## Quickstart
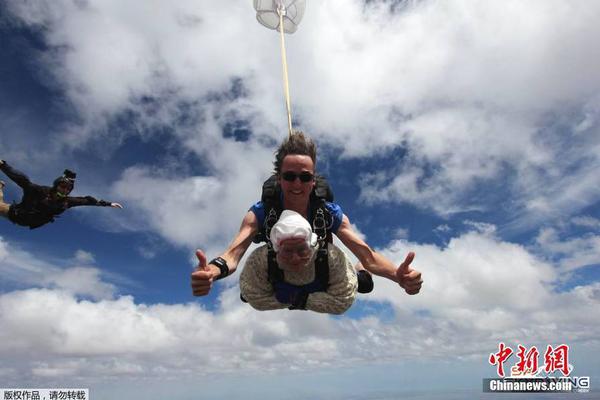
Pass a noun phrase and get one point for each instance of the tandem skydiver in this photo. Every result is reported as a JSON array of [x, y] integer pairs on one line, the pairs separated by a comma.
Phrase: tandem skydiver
[[41, 204], [295, 187]]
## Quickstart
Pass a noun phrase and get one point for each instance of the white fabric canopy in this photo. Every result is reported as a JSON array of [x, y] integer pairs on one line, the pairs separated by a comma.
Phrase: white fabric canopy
[[267, 13]]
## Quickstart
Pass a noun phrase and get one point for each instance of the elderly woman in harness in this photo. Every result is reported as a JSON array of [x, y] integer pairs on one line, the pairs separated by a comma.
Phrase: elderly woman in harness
[[42, 204], [294, 271], [294, 189]]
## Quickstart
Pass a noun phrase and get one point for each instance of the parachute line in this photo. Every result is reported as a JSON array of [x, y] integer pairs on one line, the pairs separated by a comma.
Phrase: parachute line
[[286, 85], [282, 16]]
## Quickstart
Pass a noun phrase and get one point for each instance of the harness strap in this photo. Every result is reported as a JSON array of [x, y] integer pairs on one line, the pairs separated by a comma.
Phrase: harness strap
[[322, 222], [322, 266], [275, 273]]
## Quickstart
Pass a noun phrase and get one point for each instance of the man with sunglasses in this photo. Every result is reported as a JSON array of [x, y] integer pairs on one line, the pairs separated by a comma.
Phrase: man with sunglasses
[[42, 204], [294, 278], [295, 171]]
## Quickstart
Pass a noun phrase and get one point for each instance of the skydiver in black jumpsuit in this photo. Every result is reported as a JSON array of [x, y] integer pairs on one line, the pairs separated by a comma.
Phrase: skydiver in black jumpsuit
[[41, 204]]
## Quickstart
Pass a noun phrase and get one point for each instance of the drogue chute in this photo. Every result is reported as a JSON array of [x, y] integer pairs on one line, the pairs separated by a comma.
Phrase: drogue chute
[[283, 16], [274, 13]]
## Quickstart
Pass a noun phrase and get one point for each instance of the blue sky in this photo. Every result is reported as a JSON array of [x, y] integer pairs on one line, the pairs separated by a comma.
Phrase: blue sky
[[465, 131]]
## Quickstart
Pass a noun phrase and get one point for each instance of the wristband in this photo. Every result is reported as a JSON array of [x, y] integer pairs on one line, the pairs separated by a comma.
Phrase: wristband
[[222, 265]]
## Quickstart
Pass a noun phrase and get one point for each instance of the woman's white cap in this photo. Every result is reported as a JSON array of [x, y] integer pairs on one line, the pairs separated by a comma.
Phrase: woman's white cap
[[292, 225]]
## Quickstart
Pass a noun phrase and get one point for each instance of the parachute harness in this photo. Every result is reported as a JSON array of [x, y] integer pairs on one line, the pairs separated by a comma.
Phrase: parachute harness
[[322, 222]]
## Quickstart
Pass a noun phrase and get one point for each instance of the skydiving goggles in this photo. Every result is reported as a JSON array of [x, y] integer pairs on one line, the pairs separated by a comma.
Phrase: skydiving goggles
[[291, 176]]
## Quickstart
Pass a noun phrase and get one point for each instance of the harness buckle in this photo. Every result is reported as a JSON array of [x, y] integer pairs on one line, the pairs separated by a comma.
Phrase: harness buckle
[[270, 221], [320, 224]]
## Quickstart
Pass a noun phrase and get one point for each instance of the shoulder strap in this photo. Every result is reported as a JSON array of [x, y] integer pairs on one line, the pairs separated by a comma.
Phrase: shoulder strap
[[321, 218], [271, 193], [322, 268], [322, 221], [275, 273]]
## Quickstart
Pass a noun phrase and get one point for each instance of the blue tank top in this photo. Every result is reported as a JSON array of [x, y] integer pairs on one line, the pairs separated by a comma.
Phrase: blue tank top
[[334, 209]]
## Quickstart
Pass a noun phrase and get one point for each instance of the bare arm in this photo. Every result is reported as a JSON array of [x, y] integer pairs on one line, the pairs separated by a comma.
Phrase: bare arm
[[204, 275], [237, 248], [407, 277], [371, 260]]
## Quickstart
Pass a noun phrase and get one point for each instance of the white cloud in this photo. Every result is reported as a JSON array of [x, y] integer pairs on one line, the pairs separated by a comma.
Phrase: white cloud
[[139, 50], [196, 211], [444, 228], [571, 253], [471, 91], [481, 227], [478, 290], [401, 233], [586, 221], [477, 271], [21, 268], [84, 257], [80, 280]]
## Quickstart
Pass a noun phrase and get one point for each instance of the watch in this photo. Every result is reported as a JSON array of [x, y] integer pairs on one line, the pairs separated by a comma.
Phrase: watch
[[222, 265]]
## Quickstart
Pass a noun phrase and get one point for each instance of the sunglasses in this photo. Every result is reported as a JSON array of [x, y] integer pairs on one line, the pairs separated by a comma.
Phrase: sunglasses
[[304, 176]]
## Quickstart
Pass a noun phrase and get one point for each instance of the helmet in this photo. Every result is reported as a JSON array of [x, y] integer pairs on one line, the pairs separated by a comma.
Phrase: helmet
[[68, 177]]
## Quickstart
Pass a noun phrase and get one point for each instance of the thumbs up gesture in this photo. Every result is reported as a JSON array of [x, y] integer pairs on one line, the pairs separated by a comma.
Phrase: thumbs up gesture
[[408, 278], [203, 276]]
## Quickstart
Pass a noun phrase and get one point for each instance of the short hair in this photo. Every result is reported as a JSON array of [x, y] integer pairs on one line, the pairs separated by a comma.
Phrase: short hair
[[296, 143]]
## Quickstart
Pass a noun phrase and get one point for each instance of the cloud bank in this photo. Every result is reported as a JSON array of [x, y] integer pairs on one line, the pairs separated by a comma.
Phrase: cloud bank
[[479, 290]]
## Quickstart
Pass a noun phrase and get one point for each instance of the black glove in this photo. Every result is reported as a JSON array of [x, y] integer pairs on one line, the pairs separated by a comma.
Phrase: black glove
[[365, 282]]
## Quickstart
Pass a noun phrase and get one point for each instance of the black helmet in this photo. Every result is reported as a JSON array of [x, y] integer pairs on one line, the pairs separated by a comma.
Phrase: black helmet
[[67, 177]]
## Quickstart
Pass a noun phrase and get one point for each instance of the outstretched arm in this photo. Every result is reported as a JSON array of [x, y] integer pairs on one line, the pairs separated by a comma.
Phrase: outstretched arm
[[90, 201], [404, 275], [372, 261], [204, 275], [15, 175]]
